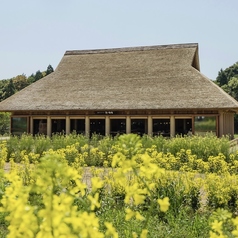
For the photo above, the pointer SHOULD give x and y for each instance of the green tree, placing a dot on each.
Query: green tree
(49, 70)
(20, 82)
(221, 78)
(4, 123)
(3, 84)
(9, 86)
(9, 90)
(38, 75)
(228, 80)
(233, 87)
(31, 79)
(224, 76)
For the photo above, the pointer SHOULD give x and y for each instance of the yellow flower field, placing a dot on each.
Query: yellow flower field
(121, 187)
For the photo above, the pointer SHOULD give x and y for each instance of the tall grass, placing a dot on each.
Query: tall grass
(203, 147)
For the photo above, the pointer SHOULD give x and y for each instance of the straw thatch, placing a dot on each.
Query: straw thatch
(156, 77)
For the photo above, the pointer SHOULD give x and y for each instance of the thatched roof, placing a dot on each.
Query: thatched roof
(154, 77)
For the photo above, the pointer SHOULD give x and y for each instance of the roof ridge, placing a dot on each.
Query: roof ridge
(128, 49)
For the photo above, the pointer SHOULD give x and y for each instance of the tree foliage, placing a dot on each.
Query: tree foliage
(228, 80)
(224, 76)
(20, 82)
(10, 89)
(49, 70)
(10, 86)
(38, 75)
(4, 122)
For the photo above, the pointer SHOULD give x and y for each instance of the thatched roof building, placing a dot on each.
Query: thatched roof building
(110, 90)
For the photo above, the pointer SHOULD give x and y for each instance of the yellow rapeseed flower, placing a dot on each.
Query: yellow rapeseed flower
(94, 201)
(136, 214)
(164, 204)
(144, 233)
(213, 235)
(235, 232)
(111, 231)
(134, 235)
(96, 183)
(217, 226)
(139, 216)
(139, 199)
(129, 214)
(235, 221)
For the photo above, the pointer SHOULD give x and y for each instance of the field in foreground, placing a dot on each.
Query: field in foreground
(128, 186)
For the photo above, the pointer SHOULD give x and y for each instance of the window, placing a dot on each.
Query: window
(205, 124)
(77, 125)
(19, 125)
(97, 126)
(118, 126)
(58, 125)
(161, 127)
(139, 126)
(183, 126)
(39, 126)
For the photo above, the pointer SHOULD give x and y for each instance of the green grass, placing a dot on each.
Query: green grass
(203, 147)
(185, 224)
(3, 225)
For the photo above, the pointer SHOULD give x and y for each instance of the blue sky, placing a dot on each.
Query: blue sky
(36, 33)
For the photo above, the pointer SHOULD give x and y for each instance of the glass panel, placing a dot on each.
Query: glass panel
(118, 126)
(161, 127)
(97, 126)
(77, 125)
(183, 126)
(139, 126)
(204, 124)
(58, 125)
(40, 126)
(18, 125)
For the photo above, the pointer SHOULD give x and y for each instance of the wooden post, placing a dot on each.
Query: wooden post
(221, 124)
(150, 126)
(67, 126)
(107, 126)
(128, 125)
(87, 126)
(31, 125)
(48, 126)
(172, 126)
